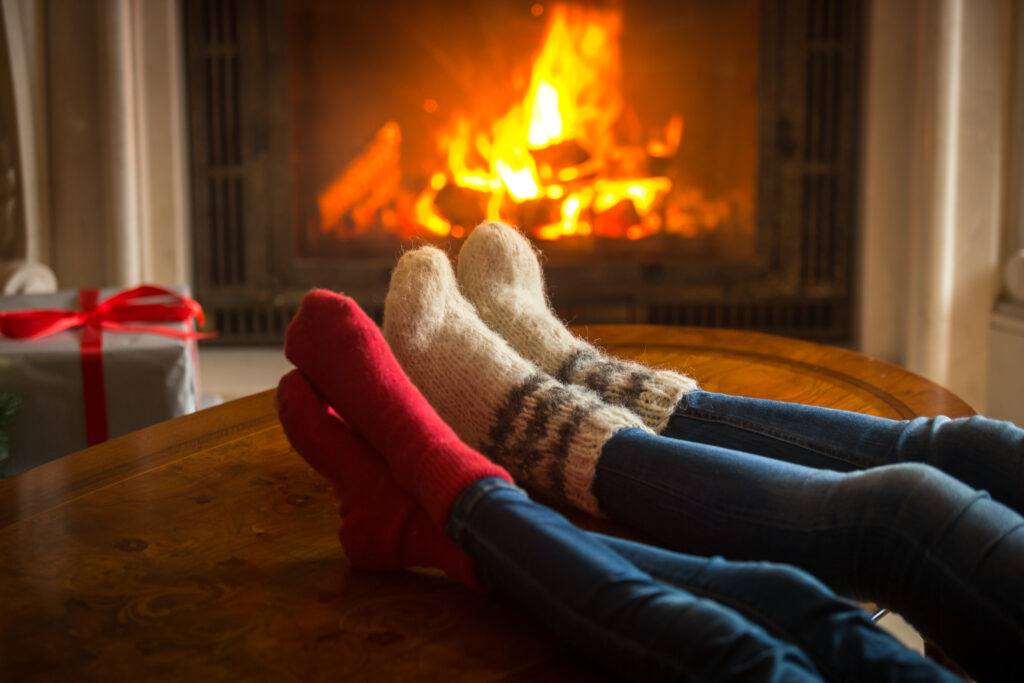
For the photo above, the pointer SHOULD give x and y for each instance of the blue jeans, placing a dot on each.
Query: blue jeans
(649, 614)
(982, 453)
(862, 503)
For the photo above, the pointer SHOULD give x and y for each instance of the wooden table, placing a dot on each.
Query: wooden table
(204, 549)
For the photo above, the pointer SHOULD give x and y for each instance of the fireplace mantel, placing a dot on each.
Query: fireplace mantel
(100, 115)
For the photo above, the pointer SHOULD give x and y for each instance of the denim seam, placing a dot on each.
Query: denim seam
(783, 436)
(463, 508)
(483, 489)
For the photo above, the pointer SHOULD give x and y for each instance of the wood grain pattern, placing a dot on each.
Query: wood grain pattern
(204, 548)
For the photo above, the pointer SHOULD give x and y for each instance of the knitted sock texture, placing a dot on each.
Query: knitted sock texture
(382, 527)
(344, 356)
(499, 273)
(548, 435)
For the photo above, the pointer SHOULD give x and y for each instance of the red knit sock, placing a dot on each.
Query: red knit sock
(344, 355)
(382, 527)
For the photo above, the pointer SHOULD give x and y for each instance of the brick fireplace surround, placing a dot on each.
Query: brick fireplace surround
(96, 107)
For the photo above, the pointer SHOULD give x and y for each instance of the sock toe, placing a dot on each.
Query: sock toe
(428, 272)
(497, 255)
(500, 274)
(308, 425)
(309, 330)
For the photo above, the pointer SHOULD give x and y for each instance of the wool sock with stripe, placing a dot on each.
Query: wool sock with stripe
(548, 435)
(382, 527)
(343, 354)
(500, 274)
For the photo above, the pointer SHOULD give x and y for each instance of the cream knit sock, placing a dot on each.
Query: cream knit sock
(500, 274)
(549, 436)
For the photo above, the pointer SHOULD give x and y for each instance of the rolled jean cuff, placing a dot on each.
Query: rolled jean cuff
(468, 500)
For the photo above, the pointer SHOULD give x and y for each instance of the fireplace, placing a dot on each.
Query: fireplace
(564, 119)
(677, 162)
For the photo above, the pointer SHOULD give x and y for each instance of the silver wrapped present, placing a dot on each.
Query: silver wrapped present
(141, 375)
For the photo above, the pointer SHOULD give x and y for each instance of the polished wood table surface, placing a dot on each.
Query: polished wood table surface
(203, 548)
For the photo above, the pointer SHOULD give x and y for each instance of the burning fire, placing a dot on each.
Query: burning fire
(553, 155)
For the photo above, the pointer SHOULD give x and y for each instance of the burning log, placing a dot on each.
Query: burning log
(618, 222)
(658, 166)
(461, 206)
(367, 184)
(550, 160)
(533, 212)
(364, 215)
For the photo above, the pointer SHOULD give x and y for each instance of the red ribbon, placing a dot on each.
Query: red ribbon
(94, 317)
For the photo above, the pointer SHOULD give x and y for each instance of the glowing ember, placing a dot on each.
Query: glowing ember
(554, 154)
(424, 211)
(573, 97)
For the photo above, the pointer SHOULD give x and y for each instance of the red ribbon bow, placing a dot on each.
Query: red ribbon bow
(94, 317)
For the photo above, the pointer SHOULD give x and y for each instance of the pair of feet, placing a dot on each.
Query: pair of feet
(499, 273)
(355, 417)
(501, 369)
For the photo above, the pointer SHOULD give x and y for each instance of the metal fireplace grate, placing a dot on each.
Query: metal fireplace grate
(248, 275)
(781, 317)
(825, 254)
(222, 251)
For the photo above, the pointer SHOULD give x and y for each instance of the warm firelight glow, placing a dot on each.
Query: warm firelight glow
(545, 119)
(573, 99)
(673, 136)
(552, 157)
(367, 184)
(427, 216)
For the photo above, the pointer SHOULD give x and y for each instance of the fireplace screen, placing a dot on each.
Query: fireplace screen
(676, 161)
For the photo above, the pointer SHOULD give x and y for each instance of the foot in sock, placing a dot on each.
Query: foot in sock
(548, 435)
(382, 527)
(500, 275)
(344, 356)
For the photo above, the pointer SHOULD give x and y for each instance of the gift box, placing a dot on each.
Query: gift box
(84, 366)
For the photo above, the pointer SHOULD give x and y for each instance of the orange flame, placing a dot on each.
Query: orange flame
(424, 211)
(573, 97)
(555, 148)
(367, 183)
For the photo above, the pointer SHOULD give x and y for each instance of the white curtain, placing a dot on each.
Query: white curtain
(100, 98)
(936, 126)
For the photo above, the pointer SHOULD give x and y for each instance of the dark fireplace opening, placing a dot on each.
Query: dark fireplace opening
(677, 162)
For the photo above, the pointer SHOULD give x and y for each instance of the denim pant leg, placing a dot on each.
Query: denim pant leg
(835, 633)
(983, 453)
(907, 536)
(615, 614)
